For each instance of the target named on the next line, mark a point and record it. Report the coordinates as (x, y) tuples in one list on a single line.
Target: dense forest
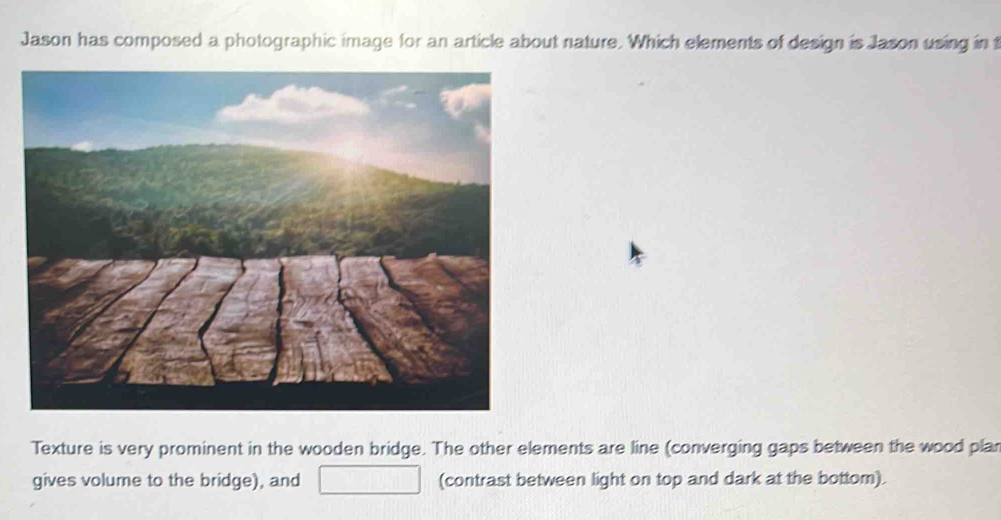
[(242, 202)]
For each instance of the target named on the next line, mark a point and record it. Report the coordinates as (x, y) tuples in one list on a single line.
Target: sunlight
[(348, 150)]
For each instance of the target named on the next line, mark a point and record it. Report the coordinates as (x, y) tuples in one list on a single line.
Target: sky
[(431, 125)]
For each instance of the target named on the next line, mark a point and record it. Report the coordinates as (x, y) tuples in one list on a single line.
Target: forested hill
[(243, 202)]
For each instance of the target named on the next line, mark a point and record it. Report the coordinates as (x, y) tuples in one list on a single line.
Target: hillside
[(241, 202)]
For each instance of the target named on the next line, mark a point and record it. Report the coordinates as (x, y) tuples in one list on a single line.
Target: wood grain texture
[(242, 341), (91, 297), (169, 351), (182, 322), (320, 342), (394, 327), (446, 304), (53, 332), (48, 287), (96, 349), (472, 272)]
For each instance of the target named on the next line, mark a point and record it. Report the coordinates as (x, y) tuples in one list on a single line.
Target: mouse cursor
[(636, 255)]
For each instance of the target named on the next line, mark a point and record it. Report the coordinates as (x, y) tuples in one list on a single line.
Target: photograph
[(258, 240)]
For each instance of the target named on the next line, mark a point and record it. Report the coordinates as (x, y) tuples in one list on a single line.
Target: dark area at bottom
[(458, 395)]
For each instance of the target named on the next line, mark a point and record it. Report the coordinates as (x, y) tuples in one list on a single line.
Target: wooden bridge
[(139, 333)]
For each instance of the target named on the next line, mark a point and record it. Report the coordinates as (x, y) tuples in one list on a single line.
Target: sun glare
[(348, 150)]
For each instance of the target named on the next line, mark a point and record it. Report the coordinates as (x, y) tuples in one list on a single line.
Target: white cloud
[(83, 146), (393, 91), (292, 104), (384, 96), (483, 133), (469, 102), (462, 100)]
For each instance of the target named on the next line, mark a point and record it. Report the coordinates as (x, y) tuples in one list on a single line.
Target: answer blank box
[(370, 480)]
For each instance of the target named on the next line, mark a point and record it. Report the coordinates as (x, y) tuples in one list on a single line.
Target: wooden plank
[(35, 263), (90, 298), (96, 349), (472, 272), (447, 306), (48, 287), (169, 351), (242, 341), (319, 340), (394, 327), (83, 303)]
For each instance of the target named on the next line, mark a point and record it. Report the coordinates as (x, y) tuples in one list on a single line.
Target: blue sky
[(434, 125)]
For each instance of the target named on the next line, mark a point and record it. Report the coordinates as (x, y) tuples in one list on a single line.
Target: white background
[(822, 235)]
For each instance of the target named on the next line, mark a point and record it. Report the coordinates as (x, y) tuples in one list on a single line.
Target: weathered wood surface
[(169, 351), (49, 287), (96, 349), (91, 297), (446, 304), (394, 327), (82, 304), (472, 272), (272, 321), (320, 342), (35, 263), (242, 341)]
